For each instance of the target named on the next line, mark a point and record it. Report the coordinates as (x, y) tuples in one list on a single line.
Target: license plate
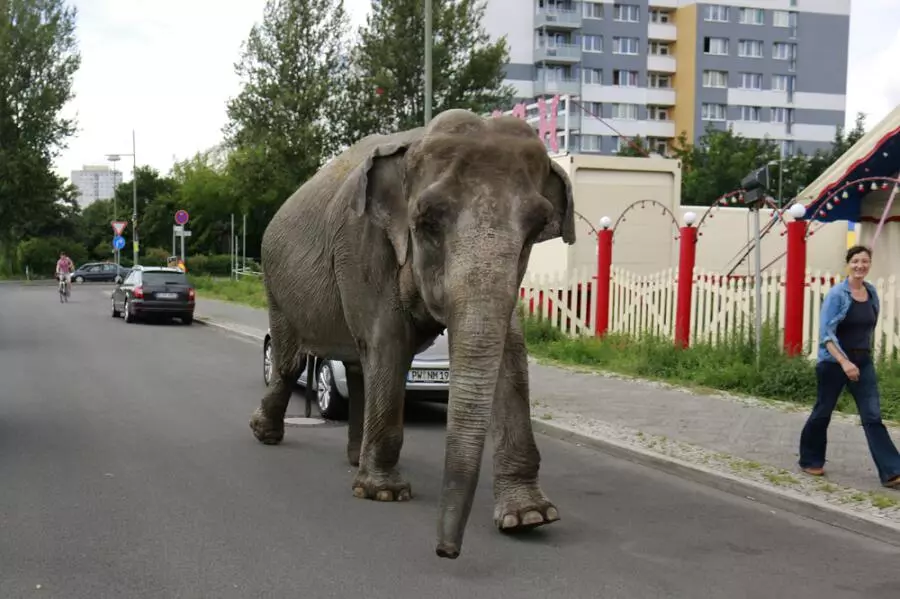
[(166, 295), (428, 376)]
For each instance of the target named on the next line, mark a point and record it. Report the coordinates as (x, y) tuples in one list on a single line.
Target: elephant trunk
[(477, 325)]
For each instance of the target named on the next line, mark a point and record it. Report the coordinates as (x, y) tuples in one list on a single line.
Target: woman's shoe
[(893, 483), (814, 471)]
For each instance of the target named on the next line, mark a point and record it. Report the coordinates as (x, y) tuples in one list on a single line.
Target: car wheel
[(267, 362), (129, 316), (187, 319), (79, 279), (332, 405), (115, 313)]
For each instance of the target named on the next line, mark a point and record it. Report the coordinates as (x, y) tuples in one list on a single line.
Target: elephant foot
[(523, 508), (265, 429), (382, 487)]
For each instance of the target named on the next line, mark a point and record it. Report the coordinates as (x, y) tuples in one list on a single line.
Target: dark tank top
[(855, 331)]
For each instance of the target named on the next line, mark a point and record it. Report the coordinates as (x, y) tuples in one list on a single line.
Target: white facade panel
[(828, 7), (524, 89), (627, 127), (752, 97), (823, 133), (820, 101), (662, 31), (612, 94), (505, 17), (758, 130), (665, 64), (664, 3), (660, 97)]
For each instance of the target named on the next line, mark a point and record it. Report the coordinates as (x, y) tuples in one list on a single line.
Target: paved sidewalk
[(732, 438)]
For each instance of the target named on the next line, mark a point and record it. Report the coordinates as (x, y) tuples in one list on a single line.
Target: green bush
[(40, 254)]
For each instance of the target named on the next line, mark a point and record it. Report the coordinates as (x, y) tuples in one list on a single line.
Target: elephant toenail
[(510, 521), (532, 517), (384, 496), (404, 496), (359, 492), (552, 514)]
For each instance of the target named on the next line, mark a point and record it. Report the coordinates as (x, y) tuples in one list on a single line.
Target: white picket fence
[(722, 308)]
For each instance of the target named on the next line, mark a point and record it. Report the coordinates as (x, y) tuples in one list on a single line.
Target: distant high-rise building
[(95, 182), (772, 69)]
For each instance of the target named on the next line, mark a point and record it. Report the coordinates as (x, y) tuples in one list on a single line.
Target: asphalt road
[(128, 470)]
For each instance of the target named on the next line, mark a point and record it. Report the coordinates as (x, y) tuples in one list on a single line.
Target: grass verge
[(729, 366)]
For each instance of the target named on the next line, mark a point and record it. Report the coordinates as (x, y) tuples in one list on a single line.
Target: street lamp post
[(134, 215), (428, 67)]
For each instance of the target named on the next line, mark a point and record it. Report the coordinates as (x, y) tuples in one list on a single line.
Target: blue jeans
[(831, 381)]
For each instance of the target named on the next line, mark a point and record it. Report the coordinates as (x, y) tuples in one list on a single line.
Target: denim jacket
[(834, 309)]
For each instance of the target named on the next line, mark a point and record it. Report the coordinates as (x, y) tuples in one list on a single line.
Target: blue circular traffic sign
[(181, 217), (118, 242)]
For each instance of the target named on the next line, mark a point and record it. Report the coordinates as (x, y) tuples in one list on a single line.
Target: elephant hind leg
[(267, 421), (519, 502), (356, 409)]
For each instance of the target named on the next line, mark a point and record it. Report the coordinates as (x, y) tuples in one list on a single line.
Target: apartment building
[(657, 68), (95, 182)]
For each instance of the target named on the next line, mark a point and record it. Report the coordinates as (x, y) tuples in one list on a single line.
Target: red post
[(686, 259), (604, 267), (794, 287)]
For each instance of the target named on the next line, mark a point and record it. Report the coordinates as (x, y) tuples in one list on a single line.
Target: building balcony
[(557, 19), (662, 32), (658, 96), (560, 53), (552, 87), (661, 64)]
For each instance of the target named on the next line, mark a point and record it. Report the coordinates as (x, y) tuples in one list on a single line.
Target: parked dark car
[(154, 290), (100, 272), (428, 378)]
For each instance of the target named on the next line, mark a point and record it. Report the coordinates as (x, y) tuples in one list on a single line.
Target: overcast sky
[(165, 68)]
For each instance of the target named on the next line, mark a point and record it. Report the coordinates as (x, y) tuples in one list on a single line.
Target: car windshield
[(164, 278)]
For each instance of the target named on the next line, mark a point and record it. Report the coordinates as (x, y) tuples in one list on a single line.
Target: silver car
[(427, 380)]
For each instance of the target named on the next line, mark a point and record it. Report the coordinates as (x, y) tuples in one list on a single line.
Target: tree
[(386, 87), (289, 68), (636, 148), (38, 60)]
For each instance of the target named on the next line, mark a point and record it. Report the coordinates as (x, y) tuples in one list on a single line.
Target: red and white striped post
[(795, 281), (604, 270), (686, 259)]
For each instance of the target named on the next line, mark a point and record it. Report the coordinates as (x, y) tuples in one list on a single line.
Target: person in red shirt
[(65, 266)]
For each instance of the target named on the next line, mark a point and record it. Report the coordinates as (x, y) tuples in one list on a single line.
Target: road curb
[(785, 500)]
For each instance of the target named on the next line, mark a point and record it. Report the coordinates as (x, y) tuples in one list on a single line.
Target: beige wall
[(644, 240)]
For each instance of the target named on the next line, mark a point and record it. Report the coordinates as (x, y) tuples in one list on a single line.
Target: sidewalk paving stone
[(740, 438)]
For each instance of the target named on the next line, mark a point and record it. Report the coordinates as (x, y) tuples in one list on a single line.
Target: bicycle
[(63, 288)]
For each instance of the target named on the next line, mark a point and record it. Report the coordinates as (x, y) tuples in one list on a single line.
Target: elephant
[(394, 241)]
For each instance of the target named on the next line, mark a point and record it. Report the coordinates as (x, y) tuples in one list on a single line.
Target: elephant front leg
[(384, 381), (519, 502)]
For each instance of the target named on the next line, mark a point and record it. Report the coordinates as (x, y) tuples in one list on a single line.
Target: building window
[(715, 45), (751, 81), (659, 146), (660, 49), (592, 10), (592, 76), (782, 51), (625, 78), (659, 80), (625, 45), (660, 16), (781, 83), (592, 108), (781, 18), (787, 147), (625, 111), (592, 43), (590, 143), (779, 115), (752, 16), (713, 112), (750, 49), (657, 113), (715, 79), (717, 13), (629, 13), (750, 113)]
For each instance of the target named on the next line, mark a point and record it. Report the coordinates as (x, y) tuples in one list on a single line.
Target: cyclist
[(64, 268)]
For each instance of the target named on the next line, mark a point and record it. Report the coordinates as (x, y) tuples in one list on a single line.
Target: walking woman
[(847, 325)]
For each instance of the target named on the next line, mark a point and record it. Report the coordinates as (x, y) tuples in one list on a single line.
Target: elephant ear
[(558, 190), (377, 187)]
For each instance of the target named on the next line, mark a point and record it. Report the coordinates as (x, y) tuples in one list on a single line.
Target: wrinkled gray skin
[(395, 240)]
